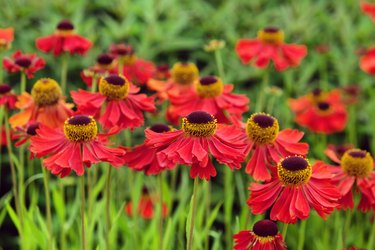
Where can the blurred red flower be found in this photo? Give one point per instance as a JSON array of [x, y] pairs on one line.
[[27, 63], [6, 38], [146, 207], [367, 61], [23, 134], [103, 67], [7, 97], [368, 9]]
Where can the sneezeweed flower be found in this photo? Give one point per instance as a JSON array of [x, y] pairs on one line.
[[368, 9], [268, 144], [7, 97], [320, 112], [6, 38], [26, 63], [137, 70], [211, 95], [295, 188], [367, 61], [270, 45], [103, 67], [75, 146], [146, 207], [123, 106], [355, 174], [45, 105], [199, 138], [64, 40], [23, 134], [264, 235], [335, 152], [143, 157]]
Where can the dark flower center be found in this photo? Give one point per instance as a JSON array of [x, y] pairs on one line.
[[271, 29], [358, 154], [264, 228], [115, 80], [79, 120], [264, 121], [23, 62], [31, 129], [65, 25], [199, 117], [160, 128], [208, 80], [323, 106], [4, 88], [317, 92], [163, 67], [294, 163], [104, 59]]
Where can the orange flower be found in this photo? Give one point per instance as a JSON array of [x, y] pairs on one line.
[[6, 38]]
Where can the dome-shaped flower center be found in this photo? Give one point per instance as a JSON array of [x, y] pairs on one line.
[[294, 170], [4, 89], [64, 28], [115, 87], [271, 35], [23, 62], [160, 128], [209, 86], [324, 106], [358, 163], [262, 128], [264, 228], [184, 73], [199, 124], [80, 128], [31, 129], [46, 92], [104, 60]]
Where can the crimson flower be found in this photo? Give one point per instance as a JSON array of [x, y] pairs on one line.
[[7, 97], [369, 9], [104, 66], [270, 45], [199, 138], [77, 145], [45, 105], [123, 107], [296, 187], [268, 145], [143, 157], [211, 95], [263, 236], [367, 61], [27, 63], [146, 207], [63, 40], [6, 38], [355, 174], [23, 134]]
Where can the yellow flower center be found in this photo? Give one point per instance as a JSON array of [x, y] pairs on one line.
[[209, 86], [262, 128], [184, 73], [271, 35], [80, 128], [115, 87], [46, 92], [294, 170], [199, 124], [358, 163]]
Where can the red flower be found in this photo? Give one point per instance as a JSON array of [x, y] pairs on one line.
[[146, 207], [6, 38], [143, 157], [367, 61], [64, 40], [137, 70], [296, 187], [28, 63], [7, 97], [76, 146], [268, 145], [103, 67], [369, 9], [24, 134], [356, 168], [263, 236], [124, 107], [45, 105], [320, 112], [269, 45], [199, 138], [212, 96]]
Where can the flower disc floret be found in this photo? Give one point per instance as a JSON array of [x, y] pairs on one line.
[[262, 128], [4, 89], [294, 170], [31, 129], [209, 86], [184, 73], [80, 128], [115, 87], [23, 62], [358, 163], [271, 35], [199, 124], [46, 91], [160, 128]]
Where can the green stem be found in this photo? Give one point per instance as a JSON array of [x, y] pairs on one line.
[[301, 236], [120, 66], [285, 230], [352, 132], [372, 237], [262, 93], [83, 240], [128, 138], [194, 208], [161, 211], [94, 83], [64, 72], [208, 205], [108, 207], [219, 64], [48, 208], [23, 82], [228, 205], [348, 219], [63, 230]]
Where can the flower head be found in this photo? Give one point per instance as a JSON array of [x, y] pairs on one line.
[[103, 67], [77, 145], [64, 40], [6, 38], [368, 9], [7, 97], [297, 186], [270, 45], [27, 63], [367, 61], [23, 134]]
